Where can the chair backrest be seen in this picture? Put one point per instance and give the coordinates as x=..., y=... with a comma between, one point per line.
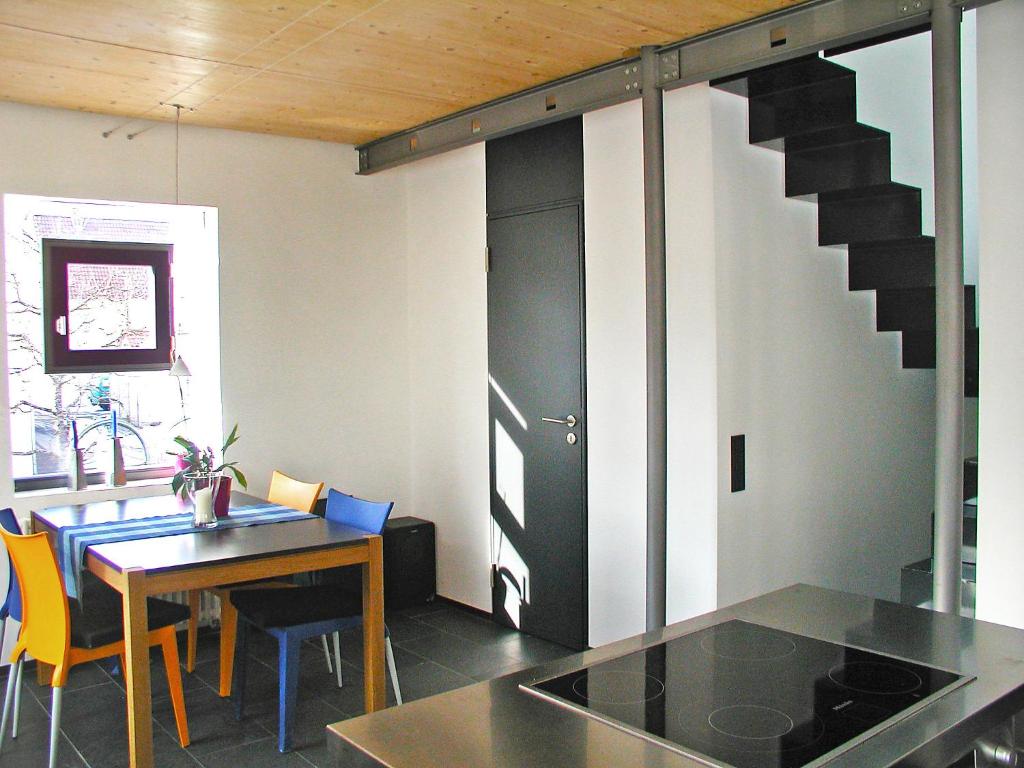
x=12, y=603
x=289, y=492
x=368, y=516
x=45, y=623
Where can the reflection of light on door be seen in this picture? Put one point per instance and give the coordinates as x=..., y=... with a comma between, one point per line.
x=512, y=573
x=508, y=473
x=508, y=402
x=514, y=576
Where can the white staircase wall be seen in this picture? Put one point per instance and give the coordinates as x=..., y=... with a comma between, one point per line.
x=1001, y=428
x=766, y=341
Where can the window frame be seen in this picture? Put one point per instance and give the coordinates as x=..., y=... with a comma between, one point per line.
x=58, y=358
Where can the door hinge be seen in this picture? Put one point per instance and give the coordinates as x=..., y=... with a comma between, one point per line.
x=487, y=258
x=492, y=570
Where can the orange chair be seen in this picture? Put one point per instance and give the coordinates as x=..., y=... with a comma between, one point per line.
x=288, y=492
x=64, y=633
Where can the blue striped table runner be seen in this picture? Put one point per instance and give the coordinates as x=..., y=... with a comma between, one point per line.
x=74, y=539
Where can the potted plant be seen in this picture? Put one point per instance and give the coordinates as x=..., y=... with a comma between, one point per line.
x=193, y=462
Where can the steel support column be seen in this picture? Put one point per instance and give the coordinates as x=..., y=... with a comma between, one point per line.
x=949, y=308
x=657, y=379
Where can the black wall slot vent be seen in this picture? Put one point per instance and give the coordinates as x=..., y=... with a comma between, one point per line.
x=738, y=452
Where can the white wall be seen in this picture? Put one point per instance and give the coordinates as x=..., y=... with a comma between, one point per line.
x=838, y=435
x=693, y=341
x=314, y=365
x=446, y=233
x=616, y=372
x=1001, y=428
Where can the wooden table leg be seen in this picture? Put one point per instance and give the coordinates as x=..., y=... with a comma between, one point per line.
x=373, y=626
x=136, y=638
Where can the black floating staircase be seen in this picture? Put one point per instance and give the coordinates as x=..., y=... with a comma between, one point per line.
x=807, y=109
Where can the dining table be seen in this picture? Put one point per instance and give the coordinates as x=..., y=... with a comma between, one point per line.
x=207, y=558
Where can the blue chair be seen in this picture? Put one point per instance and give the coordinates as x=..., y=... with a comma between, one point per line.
x=295, y=614
x=11, y=609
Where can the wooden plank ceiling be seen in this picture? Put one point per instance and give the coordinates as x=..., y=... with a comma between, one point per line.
x=341, y=70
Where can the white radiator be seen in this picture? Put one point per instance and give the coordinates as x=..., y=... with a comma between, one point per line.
x=209, y=607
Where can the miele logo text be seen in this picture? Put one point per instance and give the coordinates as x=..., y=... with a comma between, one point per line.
x=842, y=706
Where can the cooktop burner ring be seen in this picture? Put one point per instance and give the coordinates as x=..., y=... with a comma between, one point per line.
x=622, y=685
x=747, y=644
x=880, y=678
x=769, y=723
x=757, y=728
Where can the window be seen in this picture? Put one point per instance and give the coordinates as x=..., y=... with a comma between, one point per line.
x=96, y=308
x=106, y=306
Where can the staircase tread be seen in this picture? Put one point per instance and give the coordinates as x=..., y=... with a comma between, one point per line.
x=892, y=189
x=921, y=242
x=784, y=76
x=788, y=91
x=968, y=288
x=913, y=309
x=833, y=136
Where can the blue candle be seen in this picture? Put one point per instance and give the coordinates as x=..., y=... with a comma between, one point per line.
x=113, y=423
x=74, y=433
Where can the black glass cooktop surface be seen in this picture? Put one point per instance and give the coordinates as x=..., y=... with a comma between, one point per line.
x=742, y=695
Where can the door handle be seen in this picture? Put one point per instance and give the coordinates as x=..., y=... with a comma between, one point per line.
x=569, y=421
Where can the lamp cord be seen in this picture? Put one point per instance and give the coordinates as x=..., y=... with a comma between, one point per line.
x=177, y=150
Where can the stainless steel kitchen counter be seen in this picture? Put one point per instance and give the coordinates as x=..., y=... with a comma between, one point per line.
x=497, y=724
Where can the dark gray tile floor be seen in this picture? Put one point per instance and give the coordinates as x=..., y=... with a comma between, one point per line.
x=438, y=647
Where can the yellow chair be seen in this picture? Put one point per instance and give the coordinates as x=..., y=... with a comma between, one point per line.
x=63, y=633
x=288, y=492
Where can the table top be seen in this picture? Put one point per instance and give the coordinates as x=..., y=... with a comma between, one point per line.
x=510, y=728
x=207, y=547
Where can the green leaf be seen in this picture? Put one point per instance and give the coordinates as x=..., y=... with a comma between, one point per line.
x=185, y=443
x=231, y=440
x=239, y=477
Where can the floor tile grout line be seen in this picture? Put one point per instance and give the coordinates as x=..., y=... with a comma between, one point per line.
x=245, y=743
x=64, y=733
x=457, y=672
x=111, y=681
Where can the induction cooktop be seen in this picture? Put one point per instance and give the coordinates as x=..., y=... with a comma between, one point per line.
x=742, y=695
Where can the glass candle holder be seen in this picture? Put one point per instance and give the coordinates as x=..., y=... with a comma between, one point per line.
x=201, y=488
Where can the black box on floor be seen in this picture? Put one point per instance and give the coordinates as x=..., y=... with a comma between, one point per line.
x=410, y=567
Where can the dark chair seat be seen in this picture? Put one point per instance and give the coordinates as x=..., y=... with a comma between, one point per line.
x=297, y=614
x=98, y=618
x=289, y=607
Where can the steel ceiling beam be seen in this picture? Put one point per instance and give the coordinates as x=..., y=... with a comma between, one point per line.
x=813, y=26
x=568, y=97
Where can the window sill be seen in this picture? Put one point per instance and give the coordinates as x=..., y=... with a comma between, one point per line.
x=153, y=486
